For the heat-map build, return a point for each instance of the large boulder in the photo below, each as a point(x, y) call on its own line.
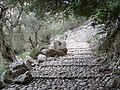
point(58, 45)
point(63, 47)
point(18, 68)
point(7, 77)
point(56, 48)
point(24, 78)
point(41, 58)
point(65, 50)
point(53, 53)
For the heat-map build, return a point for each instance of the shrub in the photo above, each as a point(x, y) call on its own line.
point(35, 52)
point(23, 55)
point(2, 69)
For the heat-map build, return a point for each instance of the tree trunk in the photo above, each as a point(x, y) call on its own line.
point(5, 48)
point(11, 36)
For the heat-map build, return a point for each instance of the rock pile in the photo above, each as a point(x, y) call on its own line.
point(18, 73)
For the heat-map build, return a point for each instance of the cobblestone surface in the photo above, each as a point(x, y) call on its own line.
point(78, 70)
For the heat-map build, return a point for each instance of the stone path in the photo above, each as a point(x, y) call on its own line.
point(78, 70)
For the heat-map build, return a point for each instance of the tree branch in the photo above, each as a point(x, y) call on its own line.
point(18, 18)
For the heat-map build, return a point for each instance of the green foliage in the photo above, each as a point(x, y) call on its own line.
point(2, 69)
point(116, 72)
point(57, 26)
point(78, 7)
point(2, 64)
point(102, 16)
point(23, 55)
point(109, 10)
point(35, 52)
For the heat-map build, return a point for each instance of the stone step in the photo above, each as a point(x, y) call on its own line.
point(67, 84)
point(64, 77)
point(81, 53)
point(80, 58)
point(58, 84)
point(65, 71)
point(69, 65)
point(71, 58)
point(80, 48)
point(75, 57)
point(75, 77)
point(77, 62)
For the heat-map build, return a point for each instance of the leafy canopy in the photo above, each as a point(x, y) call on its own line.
point(104, 9)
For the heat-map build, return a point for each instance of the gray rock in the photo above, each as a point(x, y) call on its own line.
point(83, 83)
point(107, 79)
point(55, 50)
point(41, 58)
point(7, 77)
point(59, 46)
point(28, 63)
point(44, 51)
point(65, 50)
point(30, 88)
point(12, 88)
point(44, 87)
point(72, 88)
point(50, 58)
point(109, 84)
point(23, 88)
point(24, 78)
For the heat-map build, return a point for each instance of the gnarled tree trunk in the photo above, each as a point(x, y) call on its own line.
point(5, 48)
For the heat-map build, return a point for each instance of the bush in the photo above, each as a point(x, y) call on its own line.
point(23, 55)
point(2, 69)
point(35, 52)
